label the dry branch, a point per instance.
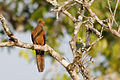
(15, 42)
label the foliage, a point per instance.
(24, 55)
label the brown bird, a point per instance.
(38, 37)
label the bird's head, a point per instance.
(41, 22)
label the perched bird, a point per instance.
(38, 37)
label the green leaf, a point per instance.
(38, 13)
(24, 55)
(58, 77)
(65, 77)
(33, 52)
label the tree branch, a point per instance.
(15, 42)
(92, 14)
(6, 28)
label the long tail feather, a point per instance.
(40, 60)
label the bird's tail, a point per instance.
(40, 60)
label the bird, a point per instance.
(39, 38)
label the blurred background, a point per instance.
(22, 16)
